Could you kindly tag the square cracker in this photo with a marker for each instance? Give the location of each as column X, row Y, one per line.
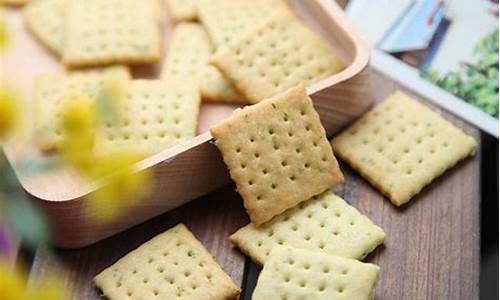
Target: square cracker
column 45, row 19
column 182, row 10
column 276, row 56
column 277, row 153
column 326, row 223
column 188, row 57
column 227, row 20
column 154, row 116
column 400, row 146
column 53, row 90
column 112, row 31
column 172, row 265
column 303, row 274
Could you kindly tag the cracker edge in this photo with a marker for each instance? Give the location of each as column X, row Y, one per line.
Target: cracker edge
column 184, row 231
column 398, row 200
column 87, row 63
column 375, row 268
column 179, row 18
column 32, row 30
column 236, row 240
column 288, row 15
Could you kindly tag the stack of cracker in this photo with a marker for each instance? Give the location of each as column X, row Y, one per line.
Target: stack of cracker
column 245, row 51
column 307, row 238
column 207, row 34
column 188, row 56
column 154, row 114
column 276, row 156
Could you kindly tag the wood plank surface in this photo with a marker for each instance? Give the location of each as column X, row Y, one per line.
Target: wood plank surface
column 432, row 248
column 212, row 219
column 431, row 251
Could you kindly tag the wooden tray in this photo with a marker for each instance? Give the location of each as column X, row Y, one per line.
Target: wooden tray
column 190, row 169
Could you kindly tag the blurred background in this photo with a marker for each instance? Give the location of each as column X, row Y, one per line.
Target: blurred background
column 452, row 43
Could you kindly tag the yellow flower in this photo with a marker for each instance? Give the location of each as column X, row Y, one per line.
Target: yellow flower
column 9, row 112
column 50, row 289
column 79, row 130
column 79, row 115
column 4, row 37
column 111, row 95
column 113, row 86
column 13, row 286
column 122, row 185
column 12, row 283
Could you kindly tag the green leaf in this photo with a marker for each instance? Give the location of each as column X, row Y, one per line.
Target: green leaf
column 27, row 221
column 476, row 83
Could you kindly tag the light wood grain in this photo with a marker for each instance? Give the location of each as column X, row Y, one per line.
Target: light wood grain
column 183, row 172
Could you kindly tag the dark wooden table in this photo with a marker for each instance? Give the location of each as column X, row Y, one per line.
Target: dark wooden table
column 432, row 249
column 431, row 252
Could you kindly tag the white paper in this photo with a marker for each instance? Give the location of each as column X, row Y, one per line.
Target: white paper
column 470, row 22
column 374, row 18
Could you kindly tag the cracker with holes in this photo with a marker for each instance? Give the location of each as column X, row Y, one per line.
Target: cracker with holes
column 173, row 265
column 188, row 57
column 291, row 273
column 53, row 90
column 277, row 153
column 45, row 20
column 400, row 146
column 276, row 56
column 182, row 10
column 155, row 115
column 114, row 31
column 326, row 223
column 227, row 20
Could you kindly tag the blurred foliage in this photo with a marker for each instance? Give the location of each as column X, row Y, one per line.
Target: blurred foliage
column 10, row 113
column 28, row 222
column 119, row 184
column 15, row 209
column 13, row 286
column 4, row 37
column 79, row 125
column 475, row 83
column 110, row 97
column 5, row 241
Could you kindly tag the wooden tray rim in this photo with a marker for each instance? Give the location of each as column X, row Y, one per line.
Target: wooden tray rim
column 360, row 62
